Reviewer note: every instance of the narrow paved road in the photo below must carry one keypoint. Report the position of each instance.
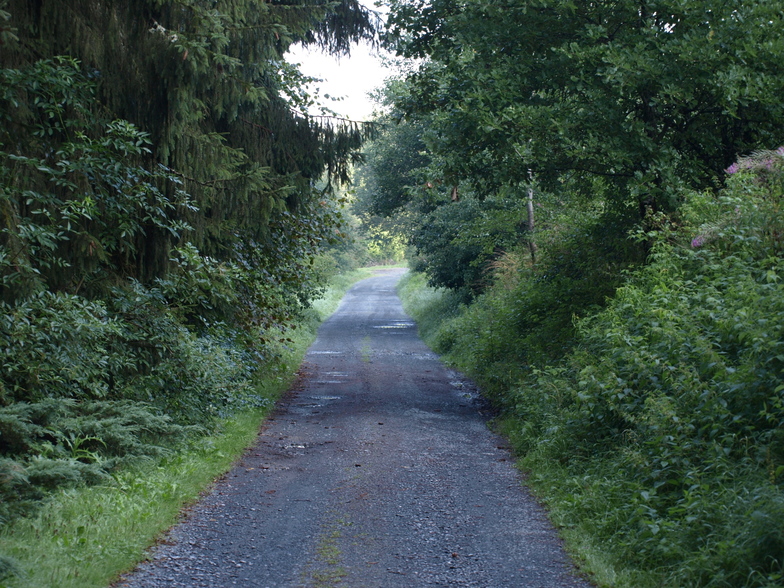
(378, 470)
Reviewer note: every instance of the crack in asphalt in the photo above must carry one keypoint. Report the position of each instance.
(377, 470)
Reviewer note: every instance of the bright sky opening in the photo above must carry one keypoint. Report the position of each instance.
(348, 78)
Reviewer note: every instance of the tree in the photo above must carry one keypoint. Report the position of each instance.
(645, 96)
(214, 112)
(208, 82)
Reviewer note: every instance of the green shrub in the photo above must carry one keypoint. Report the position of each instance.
(673, 404)
(652, 424)
(55, 345)
(528, 317)
(62, 443)
(456, 242)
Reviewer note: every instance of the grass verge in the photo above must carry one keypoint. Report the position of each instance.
(86, 537)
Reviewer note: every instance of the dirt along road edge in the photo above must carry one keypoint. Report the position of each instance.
(377, 470)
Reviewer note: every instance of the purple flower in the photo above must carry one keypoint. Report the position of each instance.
(780, 151)
(698, 241)
(733, 169)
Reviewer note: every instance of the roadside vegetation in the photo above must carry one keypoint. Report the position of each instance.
(656, 440)
(594, 216)
(170, 219)
(85, 535)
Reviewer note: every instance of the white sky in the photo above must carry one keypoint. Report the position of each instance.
(349, 78)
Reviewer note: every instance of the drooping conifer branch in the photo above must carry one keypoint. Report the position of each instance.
(203, 78)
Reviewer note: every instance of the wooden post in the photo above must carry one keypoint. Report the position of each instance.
(531, 243)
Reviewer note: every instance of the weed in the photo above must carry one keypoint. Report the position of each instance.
(325, 570)
(366, 350)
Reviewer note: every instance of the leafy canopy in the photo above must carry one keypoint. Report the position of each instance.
(647, 95)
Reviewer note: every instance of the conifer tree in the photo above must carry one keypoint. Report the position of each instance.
(223, 111)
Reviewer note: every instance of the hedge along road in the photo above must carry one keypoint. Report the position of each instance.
(377, 470)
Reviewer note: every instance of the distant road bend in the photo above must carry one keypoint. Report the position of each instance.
(377, 470)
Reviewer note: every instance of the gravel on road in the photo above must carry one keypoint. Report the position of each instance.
(377, 470)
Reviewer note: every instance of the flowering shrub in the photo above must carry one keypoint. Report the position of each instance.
(760, 161)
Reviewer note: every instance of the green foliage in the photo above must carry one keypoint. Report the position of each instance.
(676, 390)
(527, 314)
(388, 183)
(429, 307)
(75, 202)
(55, 345)
(394, 161)
(456, 242)
(385, 244)
(64, 346)
(648, 96)
(655, 431)
(63, 443)
(8, 568)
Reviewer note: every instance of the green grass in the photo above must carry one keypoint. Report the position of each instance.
(83, 537)
(429, 307)
(326, 569)
(86, 537)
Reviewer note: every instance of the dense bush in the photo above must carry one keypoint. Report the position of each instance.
(456, 243)
(672, 406)
(498, 339)
(60, 443)
(86, 385)
(658, 434)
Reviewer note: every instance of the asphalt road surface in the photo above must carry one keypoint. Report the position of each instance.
(377, 470)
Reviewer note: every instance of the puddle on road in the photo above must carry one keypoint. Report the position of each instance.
(425, 414)
(396, 325)
(332, 378)
(409, 354)
(320, 401)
